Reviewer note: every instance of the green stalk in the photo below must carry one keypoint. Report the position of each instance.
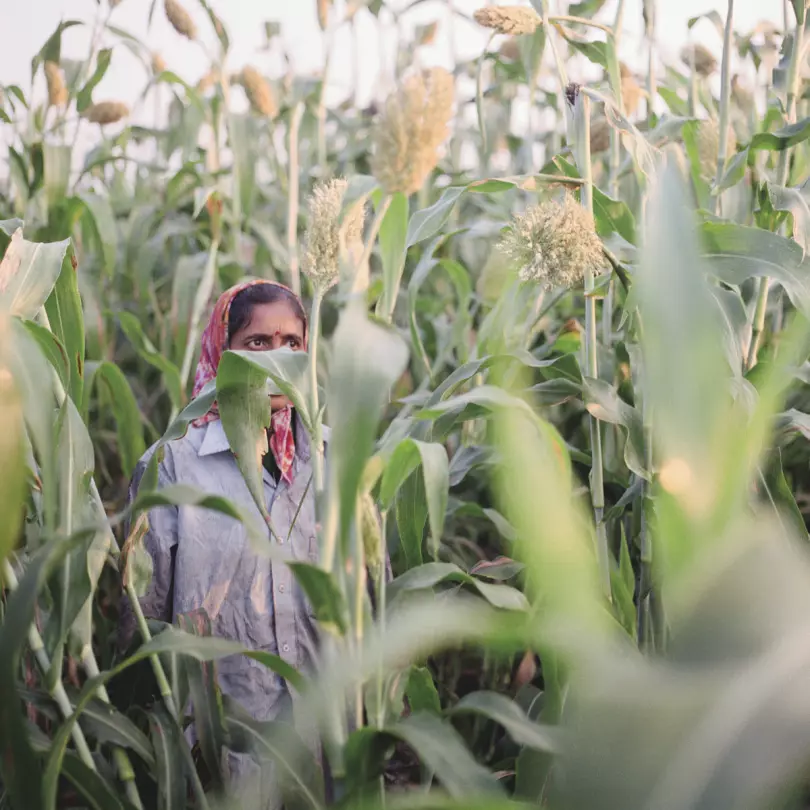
(479, 100)
(591, 361)
(323, 166)
(725, 104)
(317, 437)
(359, 601)
(292, 199)
(381, 597)
(58, 691)
(362, 275)
(783, 175)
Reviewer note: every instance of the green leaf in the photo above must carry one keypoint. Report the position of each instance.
(603, 402)
(421, 691)
(99, 793)
(84, 98)
(28, 273)
(219, 28)
(595, 52)
(106, 724)
(407, 456)
(243, 135)
(367, 360)
(793, 202)
(431, 574)
(131, 445)
(64, 310)
(505, 712)
(738, 252)
(784, 138)
(56, 167)
(429, 221)
(393, 244)
(52, 348)
(99, 217)
(411, 516)
(209, 721)
(143, 346)
(51, 50)
(323, 594)
(170, 770)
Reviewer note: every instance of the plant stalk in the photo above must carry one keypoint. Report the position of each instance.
(783, 176)
(363, 273)
(725, 104)
(292, 198)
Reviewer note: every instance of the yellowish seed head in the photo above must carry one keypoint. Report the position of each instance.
(57, 90)
(554, 243)
(158, 63)
(705, 63)
(259, 93)
(600, 135)
(106, 112)
(708, 143)
(180, 19)
(323, 7)
(331, 233)
(512, 20)
(412, 126)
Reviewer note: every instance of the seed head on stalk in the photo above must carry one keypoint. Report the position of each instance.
(106, 112)
(57, 91)
(511, 20)
(328, 237)
(207, 81)
(708, 141)
(554, 243)
(158, 63)
(372, 535)
(259, 93)
(705, 63)
(413, 124)
(180, 19)
(323, 13)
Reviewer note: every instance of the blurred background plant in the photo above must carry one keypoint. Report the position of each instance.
(558, 319)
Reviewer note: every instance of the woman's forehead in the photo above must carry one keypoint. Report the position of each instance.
(275, 316)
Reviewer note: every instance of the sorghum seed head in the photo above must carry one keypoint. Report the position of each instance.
(554, 243)
(158, 63)
(106, 112)
(708, 142)
(631, 94)
(327, 235)
(259, 93)
(572, 92)
(705, 63)
(372, 535)
(513, 20)
(207, 81)
(323, 13)
(180, 19)
(600, 135)
(413, 124)
(510, 50)
(57, 91)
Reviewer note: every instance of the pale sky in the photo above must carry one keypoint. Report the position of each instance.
(32, 22)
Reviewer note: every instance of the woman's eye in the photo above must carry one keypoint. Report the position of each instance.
(294, 343)
(256, 343)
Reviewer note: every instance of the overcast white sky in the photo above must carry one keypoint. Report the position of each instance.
(33, 21)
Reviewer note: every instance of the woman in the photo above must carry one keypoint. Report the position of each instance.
(203, 559)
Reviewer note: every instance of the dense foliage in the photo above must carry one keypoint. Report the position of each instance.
(567, 394)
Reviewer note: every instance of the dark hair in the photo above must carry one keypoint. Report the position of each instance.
(241, 309)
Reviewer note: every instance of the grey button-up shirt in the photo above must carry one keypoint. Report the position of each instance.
(203, 559)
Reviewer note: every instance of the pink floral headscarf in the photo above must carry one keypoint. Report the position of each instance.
(214, 344)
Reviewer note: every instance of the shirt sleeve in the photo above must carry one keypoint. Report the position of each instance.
(160, 542)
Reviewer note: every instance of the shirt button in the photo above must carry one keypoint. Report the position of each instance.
(281, 588)
(285, 647)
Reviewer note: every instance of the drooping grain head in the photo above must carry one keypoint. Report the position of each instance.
(708, 142)
(327, 237)
(57, 90)
(705, 63)
(512, 20)
(106, 112)
(413, 125)
(207, 81)
(180, 19)
(510, 50)
(323, 7)
(259, 93)
(158, 63)
(600, 135)
(554, 244)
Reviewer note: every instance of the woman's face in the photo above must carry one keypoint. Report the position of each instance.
(271, 326)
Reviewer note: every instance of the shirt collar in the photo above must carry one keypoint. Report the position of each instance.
(214, 440)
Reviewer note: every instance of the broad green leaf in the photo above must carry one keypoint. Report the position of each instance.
(99, 218)
(147, 351)
(52, 348)
(508, 714)
(52, 49)
(99, 792)
(171, 770)
(426, 223)
(64, 310)
(367, 360)
(323, 593)
(28, 273)
(243, 136)
(202, 298)
(421, 691)
(411, 515)
(784, 138)
(216, 23)
(131, 446)
(84, 98)
(56, 162)
(393, 240)
(779, 495)
(432, 457)
(793, 202)
(738, 252)
(431, 574)
(603, 402)
(209, 721)
(439, 747)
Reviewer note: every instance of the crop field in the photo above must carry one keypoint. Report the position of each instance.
(553, 389)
